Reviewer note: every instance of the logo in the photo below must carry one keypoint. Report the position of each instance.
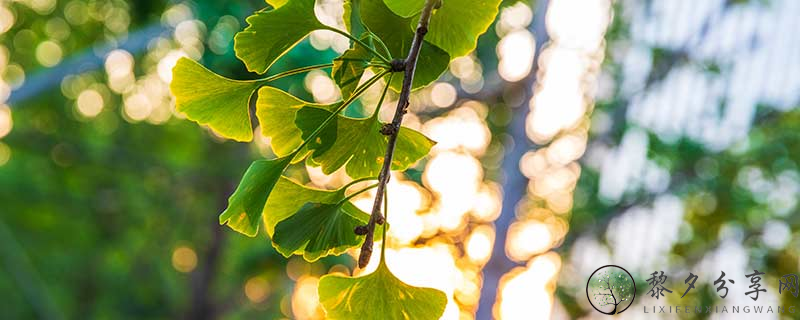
(611, 289)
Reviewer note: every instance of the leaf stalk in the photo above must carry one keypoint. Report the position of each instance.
(335, 113)
(361, 43)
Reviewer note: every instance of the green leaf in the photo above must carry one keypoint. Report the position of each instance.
(309, 119)
(396, 32)
(276, 110)
(246, 204)
(360, 146)
(349, 67)
(405, 8)
(288, 199)
(289, 196)
(276, 3)
(456, 26)
(210, 99)
(273, 33)
(351, 17)
(378, 295)
(318, 230)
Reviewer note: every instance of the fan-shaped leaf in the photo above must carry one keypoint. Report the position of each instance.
(349, 67)
(246, 204)
(276, 3)
(318, 230)
(274, 32)
(276, 110)
(405, 8)
(210, 99)
(360, 146)
(455, 26)
(396, 32)
(289, 196)
(301, 234)
(378, 295)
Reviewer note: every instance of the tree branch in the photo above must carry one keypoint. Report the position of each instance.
(409, 66)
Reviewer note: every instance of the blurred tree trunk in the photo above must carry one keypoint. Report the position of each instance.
(515, 184)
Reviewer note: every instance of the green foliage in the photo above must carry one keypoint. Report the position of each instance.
(277, 111)
(350, 66)
(272, 33)
(405, 8)
(378, 295)
(396, 32)
(289, 196)
(247, 202)
(276, 3)
(320, 229)
(360, 146)
(311, 222)
(213, 100)
(457, 24)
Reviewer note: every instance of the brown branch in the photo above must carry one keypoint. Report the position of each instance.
(409, 65)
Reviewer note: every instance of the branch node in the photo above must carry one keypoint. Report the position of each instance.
(361, 230)
(388, 129)
(397, 65)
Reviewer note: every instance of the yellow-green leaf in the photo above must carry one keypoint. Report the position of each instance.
(210, 99)
(289, 196)
(350, 66)
(378, 295)
(276, 111)
(274, 32)
(276, 3)
(360, 146)
(405, 8)
(396, 32)
(456, 26)
(314, 231)
(319, 229)
(246, 204)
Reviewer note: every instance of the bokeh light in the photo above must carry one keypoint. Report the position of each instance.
(6, 123)
(184, 259)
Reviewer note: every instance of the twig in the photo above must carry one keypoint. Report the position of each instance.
(409, 66)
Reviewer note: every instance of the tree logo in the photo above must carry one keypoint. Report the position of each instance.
(611, 289)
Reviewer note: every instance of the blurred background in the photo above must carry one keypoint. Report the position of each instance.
(656, 135)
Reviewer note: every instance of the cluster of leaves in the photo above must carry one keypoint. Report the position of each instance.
(316, 223)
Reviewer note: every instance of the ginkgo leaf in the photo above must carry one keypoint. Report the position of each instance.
(347, 16)
(289, 196)
(396, 32)
(210, 99)
(276, 3)
(378, 295)
(274, 32)
(350, 66)
(276, 111)
(360, 146)
(405, 8)
(246, 204)
(456, 26)
(319, 229)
